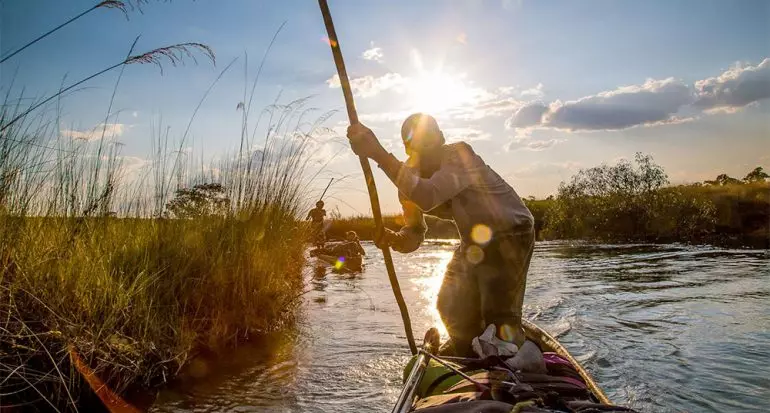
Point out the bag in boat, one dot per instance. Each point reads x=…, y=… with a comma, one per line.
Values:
x=561, y=390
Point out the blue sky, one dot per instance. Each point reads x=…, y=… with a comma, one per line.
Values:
x=539, y=88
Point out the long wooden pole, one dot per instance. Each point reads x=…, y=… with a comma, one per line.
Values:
x=327, y=188
x=375, y=201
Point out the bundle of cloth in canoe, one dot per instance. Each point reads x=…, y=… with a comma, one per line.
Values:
x=436, y=383
x=345, y=255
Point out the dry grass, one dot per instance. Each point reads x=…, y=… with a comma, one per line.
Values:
x=90, y=261
x=138, y=296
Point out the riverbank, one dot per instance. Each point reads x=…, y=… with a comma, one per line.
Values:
x=623, y=203
x=138, y=298
x=138, y=272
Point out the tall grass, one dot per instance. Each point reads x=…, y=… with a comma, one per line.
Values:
x=87, y=261
x=93, y=261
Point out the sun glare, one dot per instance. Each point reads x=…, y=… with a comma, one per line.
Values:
x=436, y=91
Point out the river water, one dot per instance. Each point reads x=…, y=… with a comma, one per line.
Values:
x=662, y=328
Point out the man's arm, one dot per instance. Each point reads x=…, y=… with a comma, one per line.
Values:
x=412, y=234
x=428, y=193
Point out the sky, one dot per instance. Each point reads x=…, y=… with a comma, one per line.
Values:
x=540, y=89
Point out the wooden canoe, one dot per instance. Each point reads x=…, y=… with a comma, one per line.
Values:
x=351, y=264
x=417, y=373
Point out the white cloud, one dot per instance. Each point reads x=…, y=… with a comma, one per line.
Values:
x=110, y=130
x=131, y=167
x=465, y=134
x=385, y=117
x=537, y=170
x=534, y=92
x=527, y=116
x=739, y=86
x=656, y=102
x=652, y=103
x=135, y=114
x=369, y=86
x=373, y=53
x=535, y=146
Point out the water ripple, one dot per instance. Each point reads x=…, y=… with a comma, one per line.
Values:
x=663, y=328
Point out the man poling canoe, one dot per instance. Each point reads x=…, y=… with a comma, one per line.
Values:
x=317, y=216
x=482, y=294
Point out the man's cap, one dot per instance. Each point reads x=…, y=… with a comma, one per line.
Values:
x=420, y=132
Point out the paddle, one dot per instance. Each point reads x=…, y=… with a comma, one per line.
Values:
x=373, y=198
x=327, y=188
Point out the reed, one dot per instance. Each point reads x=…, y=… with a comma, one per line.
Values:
x=92, y=258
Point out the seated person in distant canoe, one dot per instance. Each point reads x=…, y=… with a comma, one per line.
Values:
x=317, y=214
x=350, y=248
x=482, y=294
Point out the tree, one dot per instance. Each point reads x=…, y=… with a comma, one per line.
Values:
x=724, y=179
x=201, y=200
x=608, y=201
x=757, y=175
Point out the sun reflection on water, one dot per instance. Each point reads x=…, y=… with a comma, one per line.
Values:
x=429, y=287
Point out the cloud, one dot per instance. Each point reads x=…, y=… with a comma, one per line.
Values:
x=489, y=104
x=737, y=87
x=373, y=53
x=534, y=93
x=466, y=134
x=132, y=167
x=534, y=146
x=536, y=170
x=656, y=102
x=527, y=116
x=652, y=103
x=111, y=130
x=385, y=117
x=368, y=86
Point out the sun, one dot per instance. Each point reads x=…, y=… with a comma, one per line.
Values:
x=436, y=91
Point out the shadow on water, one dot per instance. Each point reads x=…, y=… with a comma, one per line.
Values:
x=663, y=328
x=265, y=367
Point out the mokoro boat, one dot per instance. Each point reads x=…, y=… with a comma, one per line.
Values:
x=438, y=384
x=352, y=264
x=331, y=256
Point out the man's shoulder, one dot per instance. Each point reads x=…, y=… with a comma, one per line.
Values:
x=460, y=152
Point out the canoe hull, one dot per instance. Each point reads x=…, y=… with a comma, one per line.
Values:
x=426, y=399
x=548, y=343
x=345, y=263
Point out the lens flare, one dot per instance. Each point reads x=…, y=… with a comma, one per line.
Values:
x=328, y=41
x=481, y=234
x=340, y=263
x=474, y=254
x=505, y=332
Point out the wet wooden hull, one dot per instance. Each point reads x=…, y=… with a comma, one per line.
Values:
x=347, y=263
x=408, y=397
x=549, y=343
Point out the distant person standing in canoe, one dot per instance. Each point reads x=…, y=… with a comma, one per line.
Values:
x=317, y=215
x=485, y=281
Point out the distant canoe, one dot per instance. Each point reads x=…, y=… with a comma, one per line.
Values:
x=351, y=264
